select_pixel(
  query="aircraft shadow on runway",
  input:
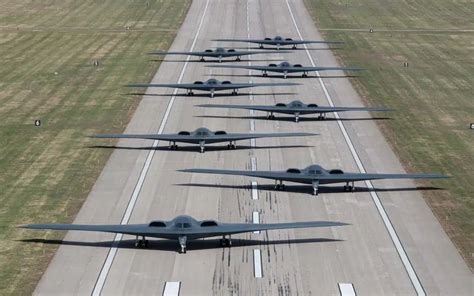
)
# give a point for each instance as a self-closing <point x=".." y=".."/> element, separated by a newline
<point x="196" y="148"/>
<point x="308" y="189"/>
<point x="289" y="76"/>
<point x="192" y="245"/>
<point x="292" y="118"/>
<point x="216" y="61"/>
<point x="216" y="95"/>
<point x="286" y="48"/>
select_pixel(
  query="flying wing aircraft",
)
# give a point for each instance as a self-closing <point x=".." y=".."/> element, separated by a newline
<point x="295" y="108"/>
<point x="315" y="175"/>
<point x="286" y="68"/>
<point x="211" y="85"/>
<point x="279" y="41"/>
<point x="183" y="228"/>
<point x="217" y="53"/>
<point x="203" y="136"/>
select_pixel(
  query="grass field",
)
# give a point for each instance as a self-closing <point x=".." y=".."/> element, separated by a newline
<point x="47" y="49"/>
<point x="434" y="95"/>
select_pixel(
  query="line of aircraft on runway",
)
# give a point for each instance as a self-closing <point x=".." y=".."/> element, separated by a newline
<point x="184" y="228"/>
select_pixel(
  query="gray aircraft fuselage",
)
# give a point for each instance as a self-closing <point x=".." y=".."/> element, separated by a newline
<point x="211" y="85"/>
<point x="203" y="136"/>
<point x="217" y="53"/>
<point x="279" y="41"/>
<point x="315" y="175"/>
<point x="285" y="68"/>
<point x="295" y="108"/>
<point x="183" y="228"/>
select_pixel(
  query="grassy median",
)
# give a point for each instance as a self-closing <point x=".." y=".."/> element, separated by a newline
<point x="419" y="61"/>
<point x="47" y="72"/>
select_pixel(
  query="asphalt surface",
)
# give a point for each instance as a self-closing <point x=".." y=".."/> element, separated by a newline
<point x="140" y="183"/>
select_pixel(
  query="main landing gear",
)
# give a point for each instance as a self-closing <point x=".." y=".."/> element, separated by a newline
<point x="173" y="146"/>
<point x="231" y="145"/>
<point x="321" y="116"/>
<point x="141" y="243"/>
<point x="279" y="185"/>
<point x="349" y="188"/>
<point x="270" y="115"/>
<point x="225" y="242"/>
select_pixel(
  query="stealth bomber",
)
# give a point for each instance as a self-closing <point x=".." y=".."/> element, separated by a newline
<point x="279" y="41"/>
<point x="286" y="68"/>
<point x="211" y="85"/>
<point x="203" y="136"/>
<point x="183" y="228"/>
<point x="295" y="108"/>
<point x="217" y="53"/>
<point x="315" y="175"/>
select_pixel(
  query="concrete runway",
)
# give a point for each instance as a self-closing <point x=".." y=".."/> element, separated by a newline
<point x="140" y="184"/>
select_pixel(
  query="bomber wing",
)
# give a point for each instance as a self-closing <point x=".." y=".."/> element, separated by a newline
<point x="274" y="175"/>
<point x="245" y="136"/>
<point x="289" y="69"/>
<point x="245" y="85"/>
<point x="273" y="108"/>
<point x="133" y="229"/>
<point x="233" y="228"/>
<point x="350" y="177"/>
<point x="171" y="85"/>
<point x="191" y="53"/>
<point x="164" y="137"/>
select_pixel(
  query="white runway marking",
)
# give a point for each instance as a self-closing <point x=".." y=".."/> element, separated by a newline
<point x="388" y="224"/>
<point x="257" y="263"/>
<point x="346" y="289"/>
<point x="254" y="190"/>
<point x="253" y="161"/>
<point x="171" y="289"/>
<point x="256" y="220"/>
<point x="131" y="204"/>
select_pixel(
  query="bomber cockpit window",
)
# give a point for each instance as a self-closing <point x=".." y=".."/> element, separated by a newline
<point x="183" y="225"/>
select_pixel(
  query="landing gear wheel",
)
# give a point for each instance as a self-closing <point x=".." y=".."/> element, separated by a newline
<point x="225" y="242"/>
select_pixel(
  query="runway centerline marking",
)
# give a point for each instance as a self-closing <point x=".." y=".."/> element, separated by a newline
<point x="346" y="289"/>
<point x="257" y="263"/>
<point x="388" y="224"/>
<point x="99" y="285"/>
<point x="171" y="289"/>
<point x="256" y="220"/>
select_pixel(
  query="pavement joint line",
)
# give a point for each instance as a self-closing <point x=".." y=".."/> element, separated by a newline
<point x="346" y="289"/>
<point x="380" y="208"/>
<point x="99" y="285"/>
<point x="171" y="289"/>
